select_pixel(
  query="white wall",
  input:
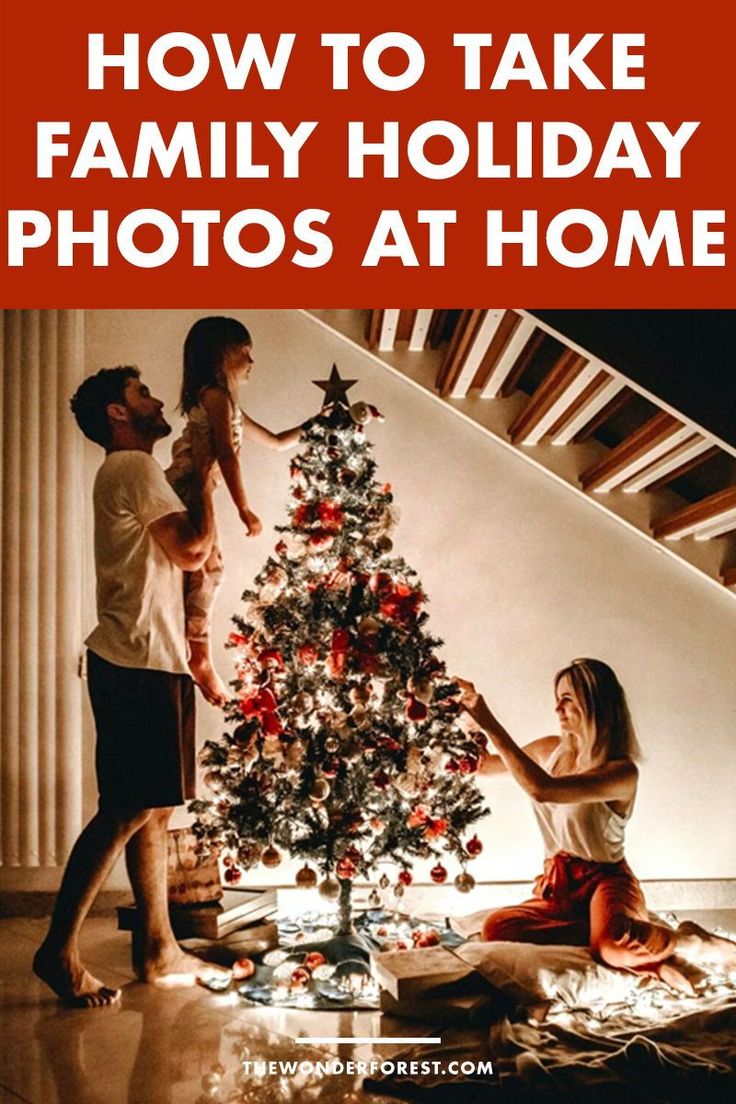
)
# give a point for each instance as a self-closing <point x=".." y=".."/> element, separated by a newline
<point x="522" y="574"/>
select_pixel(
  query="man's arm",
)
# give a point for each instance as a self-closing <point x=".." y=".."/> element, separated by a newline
<point x="186" y="537"/>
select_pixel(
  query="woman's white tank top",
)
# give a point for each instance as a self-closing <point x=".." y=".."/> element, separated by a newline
<point x="591" y="829"/>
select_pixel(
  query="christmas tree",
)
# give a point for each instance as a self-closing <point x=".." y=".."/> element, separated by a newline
<point x="346" y="743"/>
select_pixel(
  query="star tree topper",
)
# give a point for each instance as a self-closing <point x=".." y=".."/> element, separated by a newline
<point x="335" y="388"/>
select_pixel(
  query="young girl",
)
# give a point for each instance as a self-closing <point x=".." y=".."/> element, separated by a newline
<point x="217" y="357"/>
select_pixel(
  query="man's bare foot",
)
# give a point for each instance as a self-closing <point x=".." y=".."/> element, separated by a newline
<point x="70" y="981"/>
<point x="173" y="968"/>
<point x="703" y="947"/>
<point x="209" y="682"/>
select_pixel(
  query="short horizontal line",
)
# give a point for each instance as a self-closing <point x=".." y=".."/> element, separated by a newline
<point x="366" y="1039"/>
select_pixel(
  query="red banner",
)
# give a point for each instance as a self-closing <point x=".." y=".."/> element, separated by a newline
<point x="171" y="154"/>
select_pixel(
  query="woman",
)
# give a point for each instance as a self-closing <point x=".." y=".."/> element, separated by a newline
<point x="583" y="785"/>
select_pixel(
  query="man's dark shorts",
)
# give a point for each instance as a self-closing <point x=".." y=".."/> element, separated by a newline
<point x="145" y="735"/>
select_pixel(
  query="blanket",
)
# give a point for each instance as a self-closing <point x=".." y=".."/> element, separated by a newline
<point x="670" y="1051"/>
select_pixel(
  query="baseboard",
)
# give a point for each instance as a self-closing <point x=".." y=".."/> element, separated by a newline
<point x="39" y="903"/>
<point x="24" y="898"/>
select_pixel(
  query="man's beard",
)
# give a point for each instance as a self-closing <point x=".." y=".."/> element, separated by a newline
<point x="152" y="426"/>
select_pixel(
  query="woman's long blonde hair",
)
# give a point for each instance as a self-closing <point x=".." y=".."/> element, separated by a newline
<point x="604" y="703"/>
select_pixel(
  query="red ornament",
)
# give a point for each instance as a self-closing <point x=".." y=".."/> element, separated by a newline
<point x="345" y="869"/>
<point x="243" y="968"/>
<point x="416" y="817"/>
<point x="416" y="710"/>
<point x="452" y="766"/>
<point x="301" y="978"/>
<point x="401" y="605"/>
<point x="330" y="515"/>
<point x="330" y="768"/>
<point x="381" y="779"/>
<point x="271" y="657"/>
<point x="271" y="723"/>
<point x="474" y="846"/>
<point x="321" y="540"/>
<point x="435" y="828"/>
<point x="303" y="515"/>
<point x="313" y="960"/>
<point x="353" y="853"/>
<point x="405" y="877"/>
<point x="238" y="640"/>
<point x="468" y="764"/>
<point x="400" y="945"/>
<point x="427" y="938"/>
<point x="233" y="874"/>
<point x="438" y="874"/>
<point x="307" y="654"/>
<point x="280" y="548"/>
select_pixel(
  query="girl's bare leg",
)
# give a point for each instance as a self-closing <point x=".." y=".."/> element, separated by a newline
<point x="204" y="673"/>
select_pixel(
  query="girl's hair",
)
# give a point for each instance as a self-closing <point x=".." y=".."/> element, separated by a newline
<point x="604" y="703"/>
<point x="204" y="352"/>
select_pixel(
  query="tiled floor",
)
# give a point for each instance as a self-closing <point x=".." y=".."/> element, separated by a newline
<point x="156" y="1047"/>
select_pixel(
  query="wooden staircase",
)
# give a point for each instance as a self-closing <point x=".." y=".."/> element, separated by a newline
<point x="579" y="419"/>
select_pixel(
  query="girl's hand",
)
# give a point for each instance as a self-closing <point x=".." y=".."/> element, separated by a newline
<point x="252" y="523"/>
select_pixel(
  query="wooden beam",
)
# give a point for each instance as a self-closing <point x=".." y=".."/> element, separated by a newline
<point x="685" y="468"/>
<point x="711" y="512"/>
<point x="729" y="577"/>
<point x="437" y="326"/>
<point x="507" y="366"/>
<point x="612" y="407"/>
<point x="657" y="436"/>
<point x="463" y="337"/>
<point x="420" y="330"/>
<point x="558" y="390"/>
<point x="387" y="337"/>
<point x="405" y="325"/>
<point x="596" y="395"/>
<point x="687" y="455"/>
<point x="373" y="327"/>
<point x="476" y="351"/>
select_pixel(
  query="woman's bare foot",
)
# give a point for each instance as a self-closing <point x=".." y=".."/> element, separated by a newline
<point x="672" y="974"/>
<point x="173" y="968"/>
<point x="70" y="981"/>
<point x="205" y="675"/>
<point x="703" y="947"/>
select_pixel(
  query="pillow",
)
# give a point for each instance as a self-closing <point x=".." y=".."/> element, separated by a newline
<point x="533" y="974"/>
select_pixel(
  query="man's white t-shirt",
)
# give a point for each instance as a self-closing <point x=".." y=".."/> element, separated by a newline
<point x="140" y="592"/>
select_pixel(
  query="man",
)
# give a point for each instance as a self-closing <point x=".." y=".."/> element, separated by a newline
<point x="141" y="693"/>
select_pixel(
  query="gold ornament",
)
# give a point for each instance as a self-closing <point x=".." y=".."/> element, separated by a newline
<point x="320" y="790"/>
<point x="271" y="857"/>
<point x="304" y="702"/>
<point x="464" y="882"/>
<point x="329" y="889"/>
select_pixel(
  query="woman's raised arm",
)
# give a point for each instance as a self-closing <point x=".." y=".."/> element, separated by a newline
<point x="612" y="781"/>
